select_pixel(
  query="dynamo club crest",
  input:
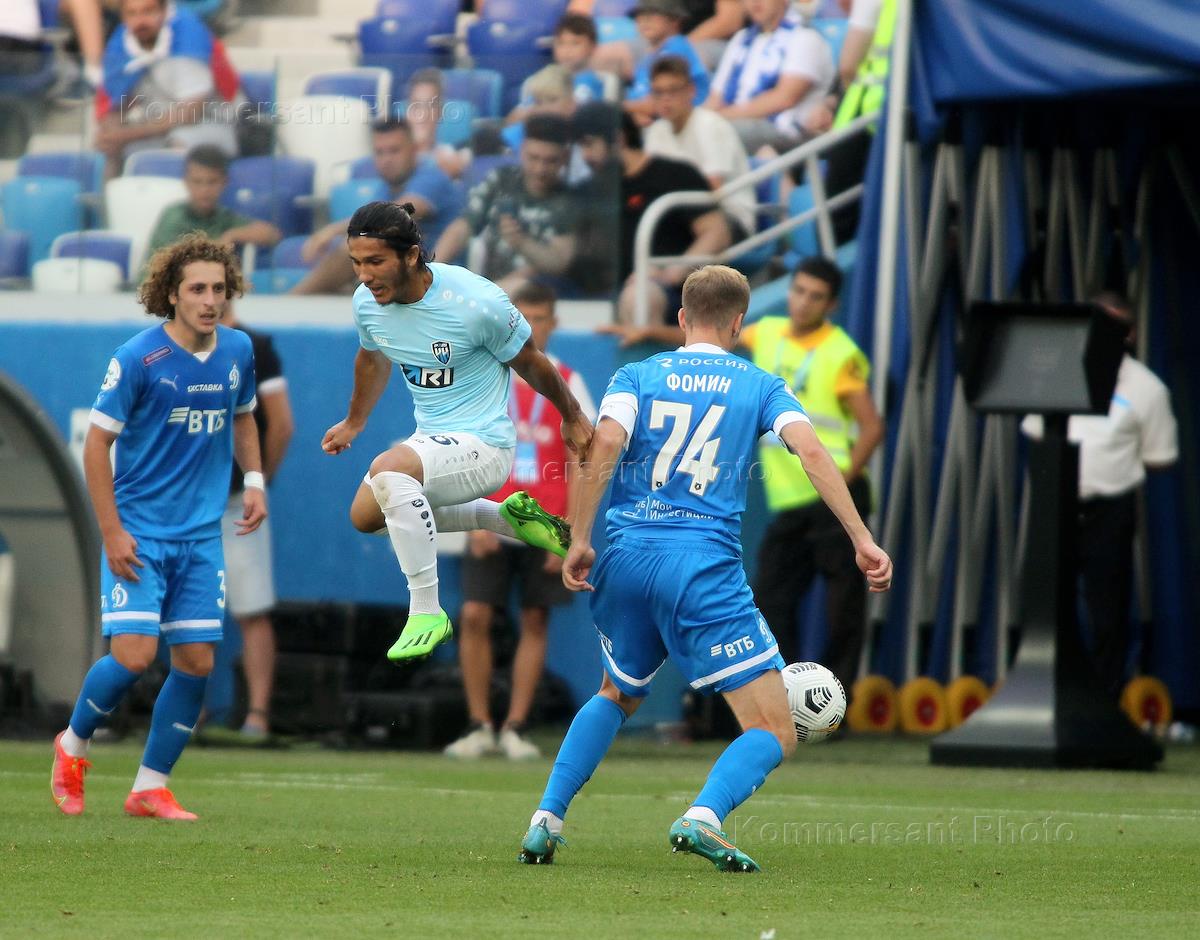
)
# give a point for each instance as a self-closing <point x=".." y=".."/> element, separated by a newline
<point x="441" y="351"/>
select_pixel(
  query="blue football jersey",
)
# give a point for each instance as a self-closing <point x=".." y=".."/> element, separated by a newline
<point x="691" y="452"/>
<point x="173" y="415"/>
<point x="452" y="346"/>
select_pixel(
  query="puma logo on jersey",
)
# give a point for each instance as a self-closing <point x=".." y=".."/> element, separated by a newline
<point x="199" y="420"/>
<point x="429" y="378"/>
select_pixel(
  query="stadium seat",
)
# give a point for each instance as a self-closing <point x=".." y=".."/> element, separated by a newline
<point x="287" y="253"/>
<point x="259" y="88"/>
<point x="541" y="13"/>
<point x="276" y="280"/>
<point x="86" y="168"/>
<point x="156" y="163"/>
<point x="834" y="30"/>
<point x="77" y="276"/>
<point x="133" y="205"/>
<point x="398" y="46"/>
<point x="515" y="51"/>
<point x="484" y="88"/>
<point x="275" y="189"/>
<point x="613" y="7"/>
<point x="371" y="85"/>
<point x="14" y="255"/>
<point x="480" y="167"/>
<point x="804" y="240"/>
<point x="436" y="17"/>
<point x="43" y="207"/>
<point x="48" y="10"/>
<point x="329" y="130"/>
<point x="346" y="197"/>
<point x="615" y="29"/>
<point x="95" y="243"/>
<point x="454" y="129"/>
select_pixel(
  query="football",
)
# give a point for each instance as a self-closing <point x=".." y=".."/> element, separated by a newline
<point x="817" y="701"/>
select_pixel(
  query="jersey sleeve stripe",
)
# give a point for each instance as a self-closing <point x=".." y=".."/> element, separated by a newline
<point x="789" y="417"/>
<point x="246" y="408"/>
<point x="101" y="420"/>
<point x="271" y="386"/>
<point x="622" y="407"/>
<point x="130" y="615"/>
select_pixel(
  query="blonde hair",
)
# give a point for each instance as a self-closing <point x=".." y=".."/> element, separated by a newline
<point x="553" y="81"/>
<point x="714" y="295"/>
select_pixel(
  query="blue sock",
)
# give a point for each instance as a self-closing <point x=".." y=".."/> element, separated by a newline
<point x="587" y="741"/>
<point x="739" y="771"/>
<point x="175" y="715"/>
<point x="103" y="688"/>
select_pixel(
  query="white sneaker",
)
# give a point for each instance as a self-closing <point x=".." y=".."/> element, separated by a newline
<point x="474" y="744"/>
<point x="516" y="747"/>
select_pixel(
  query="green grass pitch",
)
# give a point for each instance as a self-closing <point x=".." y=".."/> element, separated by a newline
<point x="858" y="838"/>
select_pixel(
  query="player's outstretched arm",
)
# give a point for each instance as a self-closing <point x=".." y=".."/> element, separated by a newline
<point x="249" y="458"/>
<point x="532" y="365"/>
<point x="595" y="471"/>
<point x="371" y="371"/>
<point x="830" y="485"/>
<point x="120" y="548"/>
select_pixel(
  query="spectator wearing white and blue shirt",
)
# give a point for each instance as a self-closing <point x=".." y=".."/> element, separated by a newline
<point x="772" y="73"/>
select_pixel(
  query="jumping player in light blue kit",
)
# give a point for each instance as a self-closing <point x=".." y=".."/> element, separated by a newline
<point x="454" y="335"/>
<point x="671" y="582"/>
<point x="179" y="397"/>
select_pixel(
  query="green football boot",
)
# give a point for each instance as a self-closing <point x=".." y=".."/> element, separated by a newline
<point x="537" y="848"/>
<point x="691" y="835"/>
<point x="421" y="636"/>
<point x="534" y="526"/>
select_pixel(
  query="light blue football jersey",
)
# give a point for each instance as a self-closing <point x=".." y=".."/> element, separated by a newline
<point x="692" y="447"/>
<point x="173" y="416"/>
<point x="452" y="346"/>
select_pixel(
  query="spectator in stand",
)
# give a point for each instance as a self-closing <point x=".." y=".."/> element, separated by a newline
<point x="574" y="43"/>
<point x="167" y="83"/>
<point x="547" y="91"/>
<point x="493" y="564"/>
<point x="205" y="174"/>
<point x="699" y="137"/>
<point x="411" y="178"/>
<point x="424" y="113"/>
<point x="773" y="73"/>
<point x="522" y="218"/>
<point x="708" y="26"/>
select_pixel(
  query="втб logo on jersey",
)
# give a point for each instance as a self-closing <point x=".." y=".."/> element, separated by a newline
<point x="441" y="351"/>
<point x="428" y="378"/>
<point x="199" y="420"/>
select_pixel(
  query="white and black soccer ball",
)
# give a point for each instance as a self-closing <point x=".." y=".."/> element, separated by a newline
<point x="817" y="701"/>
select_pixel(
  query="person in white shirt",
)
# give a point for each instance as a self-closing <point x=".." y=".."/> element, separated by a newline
<point x="772" y="74"/>
<point x="700" y="137"/>
<point x="1115" y="451"/>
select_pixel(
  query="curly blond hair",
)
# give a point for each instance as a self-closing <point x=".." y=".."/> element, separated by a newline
<point x="164" y="271"/>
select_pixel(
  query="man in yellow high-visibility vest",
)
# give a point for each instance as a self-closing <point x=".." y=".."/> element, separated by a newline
<point x="828" y="373"/>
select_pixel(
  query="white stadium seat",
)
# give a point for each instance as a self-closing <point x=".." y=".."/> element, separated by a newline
<point x="328" y="129"/>
<point x="133" y="205"/>
<point x="77" y="276"/>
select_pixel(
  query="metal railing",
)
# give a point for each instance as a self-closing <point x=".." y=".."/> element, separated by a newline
<point x="808" y="153"/>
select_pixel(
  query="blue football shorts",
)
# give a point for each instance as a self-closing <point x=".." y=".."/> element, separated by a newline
<point x="686" y="600"/>
<point x="180" y="594"/>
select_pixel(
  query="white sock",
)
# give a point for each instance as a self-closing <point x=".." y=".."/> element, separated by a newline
<point x="703" y="814"/>
<point x="148" y="779"/>
<point x="411" y="527"/>
<point x="553" y="823"/>
<point x="73" y="744"/>
<point x="477" y="514"/>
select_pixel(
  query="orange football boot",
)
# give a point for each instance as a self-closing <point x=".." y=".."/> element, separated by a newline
<point x="159" y="804"/>
<point x="66" y="779"/>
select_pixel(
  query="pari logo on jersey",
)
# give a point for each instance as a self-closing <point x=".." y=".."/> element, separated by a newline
<point x="199" y="420"/>
<point x="428" y="378"/>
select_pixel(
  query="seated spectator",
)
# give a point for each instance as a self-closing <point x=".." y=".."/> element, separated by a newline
<point x="708" y="27"/>
<point x="699" y="137"/>
<point x="522" y="218"/>
<point x="411" y="178"/>
<point x="424" y="113"/>
<point x="546" y="91"/>
<point x="167" y="83"/>
<point x="684" y="231"/>
<point x="574" y="43"/>
<point x="205" y="174"/>
<point x="772" y="74"/>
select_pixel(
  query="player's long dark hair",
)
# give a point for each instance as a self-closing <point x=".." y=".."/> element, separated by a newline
<point x="390" y="223"/>
<point x="164" y="272"/>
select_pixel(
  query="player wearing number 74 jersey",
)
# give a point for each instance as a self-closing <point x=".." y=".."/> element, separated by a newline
<point x="676" y="437"/>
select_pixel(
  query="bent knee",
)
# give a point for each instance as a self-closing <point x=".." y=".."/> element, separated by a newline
<point x="135" y="660"/>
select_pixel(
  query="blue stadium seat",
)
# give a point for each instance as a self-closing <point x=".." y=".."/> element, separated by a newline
<point x="276" y="280"/>
<point x="259" y="88"/>
<point x="48" y="9"/>
<point x="515" y="51"/>
<point x="357" y="191"/>
<point x="277" y="189"/>
<point x="363" y="169"/>
<point x="615" y="29"/>
<point x="86" y="168"/>
<point x="44" y="207"/>
<point x="14" y="254"/>
<point x="371" y="85"/>
<point x="436" y="17"/>
<point x="399" y="46"/>
<point x="480" y="167"/>
<point x="95" y="243"/>
<point x="804" y="240"/>
<point x="156" y="163"/>
<point x="834" y="30"/>
<point x="541" y="13"/>
<point x="287" y="253"/>
<point x="613" y="7"/>
<point x="484" y="88"/>
<point x="454" y="129"/>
